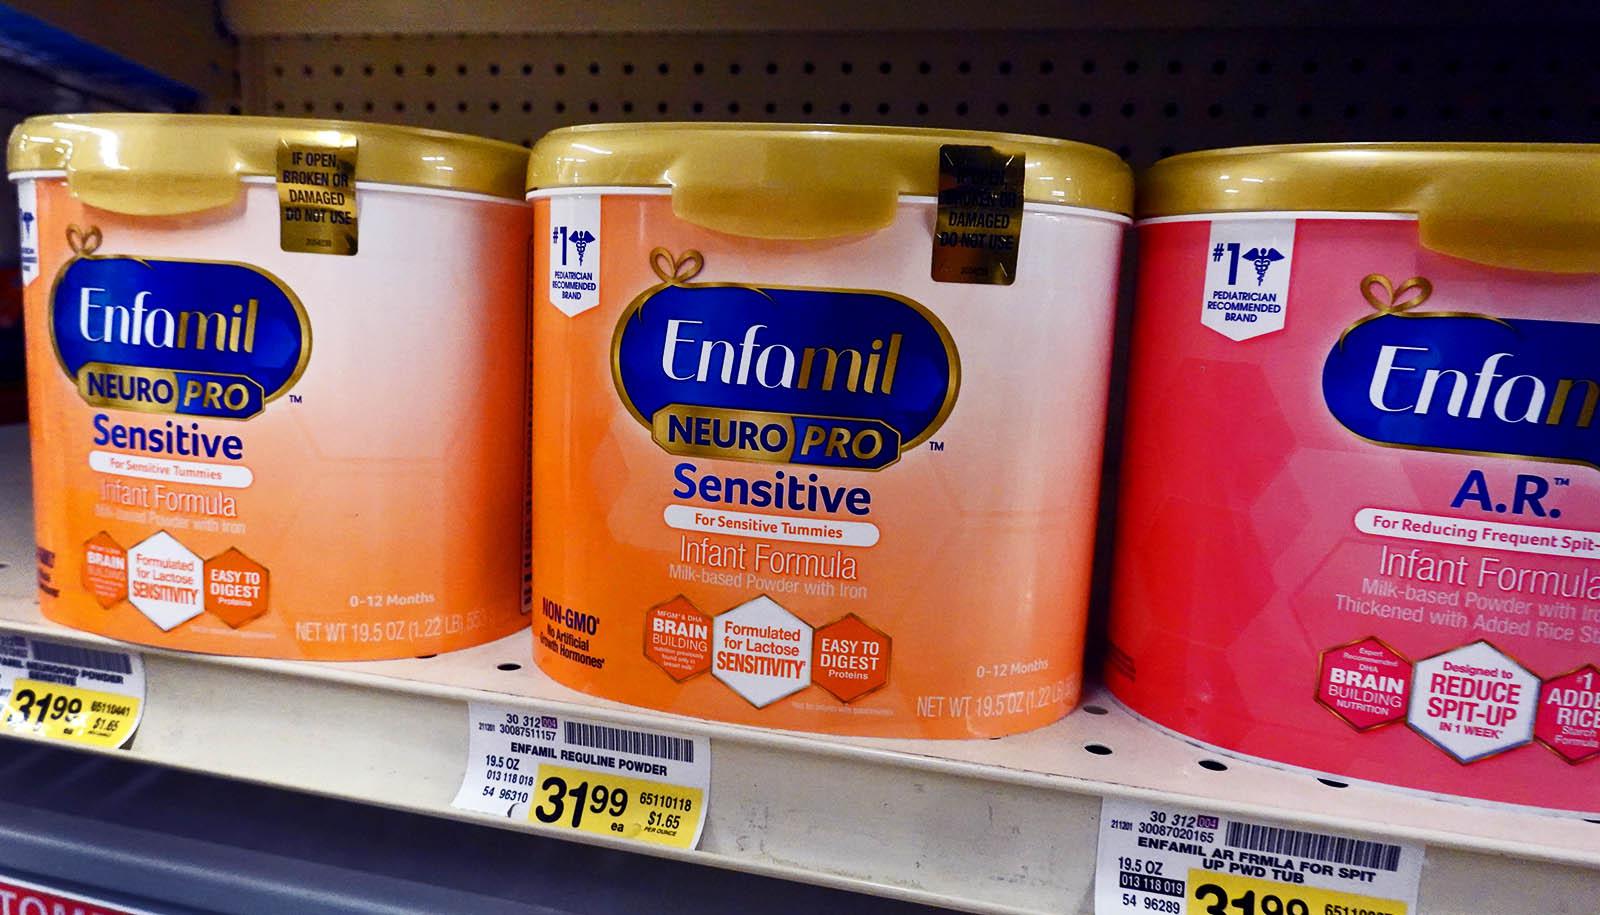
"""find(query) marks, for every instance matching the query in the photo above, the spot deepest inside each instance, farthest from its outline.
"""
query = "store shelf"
(999, 825)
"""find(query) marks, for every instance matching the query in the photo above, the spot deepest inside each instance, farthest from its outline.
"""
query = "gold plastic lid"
(1530, 206)
(165, 164)
(808, 181)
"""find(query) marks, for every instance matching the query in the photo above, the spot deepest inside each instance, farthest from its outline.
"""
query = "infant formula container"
(277, 375)
(1359, 527)
(819, 417)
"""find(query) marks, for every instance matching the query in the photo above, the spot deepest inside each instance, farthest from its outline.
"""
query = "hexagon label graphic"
(677, 638)
(164, 580)
(1473, 702)
(1569, 714)
(849, 658)
(1366, 683)
(237, 587)
(761, 651)
(105, 569)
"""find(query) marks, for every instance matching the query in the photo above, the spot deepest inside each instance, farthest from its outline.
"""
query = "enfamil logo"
(1463, 382)
(197, 338)
(844, 378)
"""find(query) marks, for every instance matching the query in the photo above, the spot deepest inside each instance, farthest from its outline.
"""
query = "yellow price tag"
(70, 713)
(1214, 893)
(614, 805)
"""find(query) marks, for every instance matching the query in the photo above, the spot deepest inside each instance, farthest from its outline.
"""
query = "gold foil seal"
(317, 195)
(979, 228)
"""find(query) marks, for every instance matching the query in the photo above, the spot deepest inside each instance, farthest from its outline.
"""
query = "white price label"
(89, 696)
(572, 773)
(1179, 861)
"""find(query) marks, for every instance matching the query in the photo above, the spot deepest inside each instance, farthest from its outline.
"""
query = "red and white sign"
(19, 897)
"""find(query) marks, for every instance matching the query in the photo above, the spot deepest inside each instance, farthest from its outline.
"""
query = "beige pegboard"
(1143, 92)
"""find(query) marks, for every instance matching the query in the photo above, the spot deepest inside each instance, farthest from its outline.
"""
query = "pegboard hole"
(924, 68)
(772, 68)
(1098, 749)
(734, 69)
(461, 69)
(430, 107)
(494, 69)
(1096, 710)
(527, 69)
(1047, 67)
(771, 108)
(561, 107)
(1170, 109)
(1130, 67)
(1213, 765)
(964, 67)
(561, 69)
(1088, 65)
(1333, 783)
(338, 69)
(1042, 109)
(698, 68)
(733, 107)
(922, 108)
(807, 108)
(1263, 67)
(627, 69)
(527, 107)
(698, 107)
(808, 68)
(430, 69)
(844, 107)
(1004, 68)
(663, 68)
(1002, 109)
(1085, 109)
(366, 70)
(509, 665)
(594, 107)
(399, 69)
(594, 68)
(846, 67)
(961, 109)
(627, 108)
(1129, 109)
(885, 68)
(1214, 110)
(1219, 67)
(883, 107)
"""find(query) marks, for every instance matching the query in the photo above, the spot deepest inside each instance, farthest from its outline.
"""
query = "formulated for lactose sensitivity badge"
(1359, 529)
(277, 374)
(818, 416)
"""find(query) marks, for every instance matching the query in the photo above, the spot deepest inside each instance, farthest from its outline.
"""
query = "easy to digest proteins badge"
(250, 435)
(771, 487)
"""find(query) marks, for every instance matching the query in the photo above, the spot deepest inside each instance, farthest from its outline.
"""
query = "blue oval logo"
(197, 338)
(1467, 383)
(843, 378)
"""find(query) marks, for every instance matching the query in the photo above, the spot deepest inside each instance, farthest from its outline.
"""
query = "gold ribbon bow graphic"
(1402, 301)
(676, 271)
(83, 242)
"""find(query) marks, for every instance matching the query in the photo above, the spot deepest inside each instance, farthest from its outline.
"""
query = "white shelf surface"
(992, 825)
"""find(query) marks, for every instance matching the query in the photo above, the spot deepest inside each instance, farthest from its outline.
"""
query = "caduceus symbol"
(1262, 258)
(580, 240)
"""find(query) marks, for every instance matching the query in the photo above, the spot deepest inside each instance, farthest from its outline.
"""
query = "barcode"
(639, 743)
(1314, 845)
(114, 661)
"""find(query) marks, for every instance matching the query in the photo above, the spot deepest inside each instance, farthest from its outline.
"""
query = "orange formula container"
(277, 376)
(819, 416)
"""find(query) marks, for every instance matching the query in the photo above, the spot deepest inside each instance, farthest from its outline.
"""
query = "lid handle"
(810, 191)
(1540, 218)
